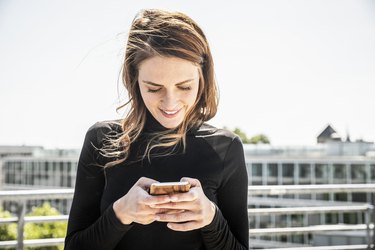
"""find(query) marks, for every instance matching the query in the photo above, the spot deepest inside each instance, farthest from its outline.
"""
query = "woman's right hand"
(135, 205)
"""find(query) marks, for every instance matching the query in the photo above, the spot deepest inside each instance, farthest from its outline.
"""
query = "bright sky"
(284, 68)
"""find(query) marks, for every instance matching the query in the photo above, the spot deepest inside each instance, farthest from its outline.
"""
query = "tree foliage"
(46, 229)
(259, 138)
(7, 231)
(35, 230)
(242, 135)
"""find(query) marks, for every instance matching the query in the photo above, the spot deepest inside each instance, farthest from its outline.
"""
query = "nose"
(169, 100)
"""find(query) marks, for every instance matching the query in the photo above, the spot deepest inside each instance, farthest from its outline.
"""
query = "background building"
(331, 161)
(37, 168)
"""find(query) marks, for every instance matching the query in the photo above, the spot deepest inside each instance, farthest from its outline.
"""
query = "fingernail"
(157, 217)
(174, 198)
(152, 205)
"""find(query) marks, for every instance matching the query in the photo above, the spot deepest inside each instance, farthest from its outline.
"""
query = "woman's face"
(169, 88)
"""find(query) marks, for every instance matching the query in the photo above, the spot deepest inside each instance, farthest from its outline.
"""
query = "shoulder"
(207, 130)
(106, 125)
(104, 129)
(221, 140)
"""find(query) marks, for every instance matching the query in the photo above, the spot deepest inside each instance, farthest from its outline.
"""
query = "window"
(372, 173)
(304, 173)
(272, 173)
(256, 172)
(288, 170)
(256, 169)
(341, 197)
(272, 170)
(321, 173)
(339, 173)
(358, 172)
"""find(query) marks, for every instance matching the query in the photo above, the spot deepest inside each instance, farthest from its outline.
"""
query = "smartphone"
(169, 187)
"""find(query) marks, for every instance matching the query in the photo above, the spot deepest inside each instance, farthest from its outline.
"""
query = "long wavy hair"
(169, 34)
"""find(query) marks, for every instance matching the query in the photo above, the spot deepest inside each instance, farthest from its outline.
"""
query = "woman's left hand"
(193, 209)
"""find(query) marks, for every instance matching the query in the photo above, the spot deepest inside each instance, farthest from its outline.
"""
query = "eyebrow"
(160, 85)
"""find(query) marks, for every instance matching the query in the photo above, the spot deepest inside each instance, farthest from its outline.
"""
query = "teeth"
(170, 112)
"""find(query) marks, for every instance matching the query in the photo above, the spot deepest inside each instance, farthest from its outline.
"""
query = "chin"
(170, 124)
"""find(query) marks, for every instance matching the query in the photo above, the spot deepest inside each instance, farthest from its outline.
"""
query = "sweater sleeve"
(230, 228)
(88, 228)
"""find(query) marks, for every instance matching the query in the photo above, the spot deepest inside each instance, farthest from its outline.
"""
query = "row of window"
(45, 173)
(42, 166)
(309, 173)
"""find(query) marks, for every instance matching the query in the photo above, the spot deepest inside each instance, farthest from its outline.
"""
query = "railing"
(311, 189)
(24, 195)
(21, 196)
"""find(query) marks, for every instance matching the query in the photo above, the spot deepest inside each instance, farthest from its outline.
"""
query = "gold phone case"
(169, 188)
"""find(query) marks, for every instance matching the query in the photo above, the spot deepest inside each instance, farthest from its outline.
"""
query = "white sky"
(284, 68)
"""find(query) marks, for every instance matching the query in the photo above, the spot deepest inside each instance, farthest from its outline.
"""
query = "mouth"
(170, 113)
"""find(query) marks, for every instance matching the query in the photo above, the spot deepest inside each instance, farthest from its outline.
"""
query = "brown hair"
(170, 34)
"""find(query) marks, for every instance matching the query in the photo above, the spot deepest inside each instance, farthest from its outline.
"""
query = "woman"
(168, 73)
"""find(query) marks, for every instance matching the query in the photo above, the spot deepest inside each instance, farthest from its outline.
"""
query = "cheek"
(195, 95)
(147, 98)
(150, 100)
(192, 96)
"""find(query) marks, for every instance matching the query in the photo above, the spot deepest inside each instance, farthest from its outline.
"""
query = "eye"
(153, 90)
(184, 88)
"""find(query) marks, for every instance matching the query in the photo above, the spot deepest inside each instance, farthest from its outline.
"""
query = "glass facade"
(60, 172)
(285, 171)
(26, 172)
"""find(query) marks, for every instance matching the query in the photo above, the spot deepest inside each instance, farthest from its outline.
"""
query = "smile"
(169, 113)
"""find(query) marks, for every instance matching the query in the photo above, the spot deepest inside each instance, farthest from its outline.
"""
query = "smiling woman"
(169, 76)
(170, 101)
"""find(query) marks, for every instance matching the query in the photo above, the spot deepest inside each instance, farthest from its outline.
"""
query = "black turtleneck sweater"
(213, 156)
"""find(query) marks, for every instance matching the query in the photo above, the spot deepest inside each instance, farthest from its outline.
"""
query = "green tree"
(7, 231)
(35, 230)
(242, 135)
(45, 229)
(260, 138)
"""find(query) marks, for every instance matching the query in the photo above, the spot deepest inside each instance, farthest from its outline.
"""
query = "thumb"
(192, 181)
(145, 182)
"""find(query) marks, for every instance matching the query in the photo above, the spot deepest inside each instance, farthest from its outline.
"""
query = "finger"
(192, 181)
(177, 217)
(183, 227)
(147, 210)
(166, 211)
(145, 182)
(175, 205)
(192, 195)
(155, 199)
(173, 211)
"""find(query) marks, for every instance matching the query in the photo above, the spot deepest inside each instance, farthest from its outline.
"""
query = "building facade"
(334, 162)
(38, 169)
(331, 161)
